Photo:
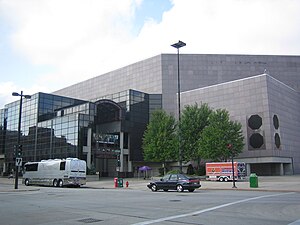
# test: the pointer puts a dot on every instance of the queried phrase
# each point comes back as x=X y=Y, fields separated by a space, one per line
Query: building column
x=4 y=167
x=281 y=169
x=248 y=169
x=129 y=163
x=122 y=151
x=35 y=141
x=51 y=141
x=88 y=149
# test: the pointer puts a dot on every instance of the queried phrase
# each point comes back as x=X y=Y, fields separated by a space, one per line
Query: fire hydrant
x=127 y=184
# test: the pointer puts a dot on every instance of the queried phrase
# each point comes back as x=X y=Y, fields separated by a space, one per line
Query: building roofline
x=239 y=80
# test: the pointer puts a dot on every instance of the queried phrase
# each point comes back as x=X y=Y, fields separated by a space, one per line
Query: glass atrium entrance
x=109 y=143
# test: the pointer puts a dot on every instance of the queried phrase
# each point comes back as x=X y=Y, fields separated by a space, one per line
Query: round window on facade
x=276 y=122
x=256 y=140
x=277 y=140
x=255 y=122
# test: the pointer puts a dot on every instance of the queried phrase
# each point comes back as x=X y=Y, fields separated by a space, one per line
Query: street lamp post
x=18 y=149
x=230 y=147
x=178 y=45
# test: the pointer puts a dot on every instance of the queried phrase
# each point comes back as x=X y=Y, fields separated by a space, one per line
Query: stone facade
x=275 y=105
x=223 y=81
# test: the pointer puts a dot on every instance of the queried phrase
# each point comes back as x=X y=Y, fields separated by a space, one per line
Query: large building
x=102 y=119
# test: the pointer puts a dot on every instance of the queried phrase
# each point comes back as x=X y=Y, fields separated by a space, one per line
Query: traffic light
x=19 y=153
x=15 y=152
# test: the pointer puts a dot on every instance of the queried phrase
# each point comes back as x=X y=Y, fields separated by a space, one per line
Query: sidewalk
x=265 y=183
x=8 y=185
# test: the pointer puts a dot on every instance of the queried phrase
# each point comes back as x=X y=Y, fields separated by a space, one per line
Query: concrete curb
x=270 y=184
x=18 y=190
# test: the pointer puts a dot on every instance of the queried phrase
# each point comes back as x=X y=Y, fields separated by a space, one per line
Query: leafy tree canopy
x=160 y=139
x=220 y=132
x=193 y=120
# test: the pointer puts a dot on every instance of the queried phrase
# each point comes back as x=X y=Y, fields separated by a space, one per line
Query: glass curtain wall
x=3 y=125
x=43 y=134
x=28 y=119
x=57 y=127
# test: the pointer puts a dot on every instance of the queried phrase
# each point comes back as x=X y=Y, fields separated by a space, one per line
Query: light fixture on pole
x=178 y=45
x=18 y=149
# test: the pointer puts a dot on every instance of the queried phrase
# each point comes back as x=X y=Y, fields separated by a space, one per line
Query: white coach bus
x=55 y=172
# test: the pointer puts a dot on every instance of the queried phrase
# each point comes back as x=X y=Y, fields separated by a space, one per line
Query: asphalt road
x=47 y=205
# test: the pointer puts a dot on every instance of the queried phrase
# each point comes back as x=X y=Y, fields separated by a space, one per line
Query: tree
x=220 y=132
x=160 y=139
x=193 y=120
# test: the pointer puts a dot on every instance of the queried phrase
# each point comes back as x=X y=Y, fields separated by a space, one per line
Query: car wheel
x=221 y=179
x=27 y=182
x=55 y=183
x=179 y=188
x=191 y=190
x=226 y=179
x=60 y=183
x=166 y=190
x=153 y=187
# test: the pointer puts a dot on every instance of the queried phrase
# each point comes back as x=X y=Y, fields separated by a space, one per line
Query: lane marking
x=209 y=209
x=295 y=223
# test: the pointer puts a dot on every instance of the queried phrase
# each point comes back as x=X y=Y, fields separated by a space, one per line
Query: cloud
x=7 y=88
x=78 y=38
x=230 y=26
x=49 y=31
x=81 y=39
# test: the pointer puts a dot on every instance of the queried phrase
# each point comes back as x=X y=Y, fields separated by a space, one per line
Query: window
x=181 y=177
x=62 y=166
x=173 y=177
x=31 y=167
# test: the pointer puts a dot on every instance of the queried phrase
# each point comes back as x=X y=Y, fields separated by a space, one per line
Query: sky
x=46 y=45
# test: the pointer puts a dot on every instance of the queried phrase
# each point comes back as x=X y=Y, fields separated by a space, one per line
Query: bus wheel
x=221 y=179
x=27 y=182
x=60 y=183
x=55 y=183
x=226 y=179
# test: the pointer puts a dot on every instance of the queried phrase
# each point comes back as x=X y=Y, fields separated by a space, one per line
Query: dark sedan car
x=179 y=182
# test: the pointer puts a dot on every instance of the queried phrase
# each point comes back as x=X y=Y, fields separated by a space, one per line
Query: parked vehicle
x=179 y=182
x=222 y=171
x=55 y=172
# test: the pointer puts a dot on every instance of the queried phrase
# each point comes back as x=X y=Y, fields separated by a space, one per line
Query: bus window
x=31 y=167
x=62 y=166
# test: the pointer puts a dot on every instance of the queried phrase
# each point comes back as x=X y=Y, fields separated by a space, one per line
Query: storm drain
x=175 y=200
x=89 y=220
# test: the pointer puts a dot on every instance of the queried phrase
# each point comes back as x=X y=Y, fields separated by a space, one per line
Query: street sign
x=18 y=161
